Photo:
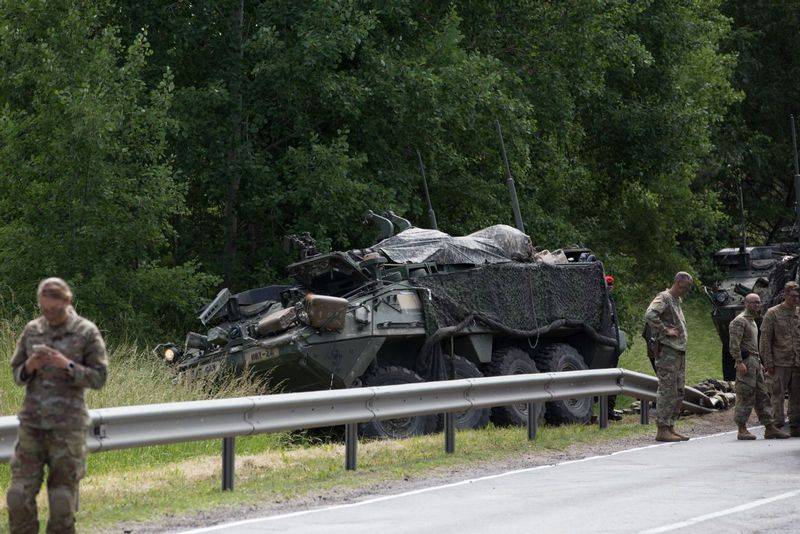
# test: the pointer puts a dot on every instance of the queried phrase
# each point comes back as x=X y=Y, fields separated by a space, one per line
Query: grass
x=147 y=483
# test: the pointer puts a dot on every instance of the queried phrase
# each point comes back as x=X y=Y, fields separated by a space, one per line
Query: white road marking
x=721 y=513
x=443 y=486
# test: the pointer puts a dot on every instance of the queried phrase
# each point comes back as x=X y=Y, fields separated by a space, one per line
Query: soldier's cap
x=54 y=288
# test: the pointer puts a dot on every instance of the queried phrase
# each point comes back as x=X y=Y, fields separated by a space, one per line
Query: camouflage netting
x=518 y=299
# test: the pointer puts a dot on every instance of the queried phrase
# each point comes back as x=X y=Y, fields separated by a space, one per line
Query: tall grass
x=135 y=376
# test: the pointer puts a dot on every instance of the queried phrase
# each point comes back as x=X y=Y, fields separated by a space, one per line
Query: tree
x=754 y=146
x=88 y=188
x=336 y=96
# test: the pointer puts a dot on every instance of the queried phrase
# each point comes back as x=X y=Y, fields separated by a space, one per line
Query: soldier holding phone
x=57 y=356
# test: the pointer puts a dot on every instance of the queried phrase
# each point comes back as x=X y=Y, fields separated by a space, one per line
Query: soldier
x=57 y=356
x=751 y=390
x=668 y=326
x=780 y=349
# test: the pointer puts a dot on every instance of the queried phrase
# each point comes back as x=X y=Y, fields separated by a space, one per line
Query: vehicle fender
x=363 y=361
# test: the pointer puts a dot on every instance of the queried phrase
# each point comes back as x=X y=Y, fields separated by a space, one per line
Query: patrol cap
x=54 y=288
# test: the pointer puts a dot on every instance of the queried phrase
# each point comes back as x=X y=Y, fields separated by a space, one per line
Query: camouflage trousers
x=786 y=379
x=64 y=453
x=671 y=371
x=752 y=392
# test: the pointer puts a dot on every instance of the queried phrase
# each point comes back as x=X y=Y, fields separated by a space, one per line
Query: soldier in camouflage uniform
x=780 y=350
x=668 y=326
x=751 y=390
x=57 y=356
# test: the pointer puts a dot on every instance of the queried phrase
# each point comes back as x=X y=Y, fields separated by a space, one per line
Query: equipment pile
x=716 y=395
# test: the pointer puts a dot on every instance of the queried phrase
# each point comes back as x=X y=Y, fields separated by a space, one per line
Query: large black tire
x=475 y=418
x=511 y=361
x=557 y=357
x=395 y=428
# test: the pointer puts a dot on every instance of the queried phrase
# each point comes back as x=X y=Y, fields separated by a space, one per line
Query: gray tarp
x=495 y=244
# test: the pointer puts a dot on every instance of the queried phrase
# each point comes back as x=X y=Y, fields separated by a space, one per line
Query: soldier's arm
x=765 y=344
x=21 y=376
x=653 y=315
x=736 y=330
x=92 y=374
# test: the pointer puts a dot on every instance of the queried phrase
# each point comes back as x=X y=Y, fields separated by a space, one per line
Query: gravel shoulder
x=693 y=426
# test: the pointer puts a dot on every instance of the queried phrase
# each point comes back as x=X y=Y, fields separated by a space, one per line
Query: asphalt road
x=708 y=484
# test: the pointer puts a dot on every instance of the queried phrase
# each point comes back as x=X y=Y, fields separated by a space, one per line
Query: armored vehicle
x=418 y=305
x=744 y=270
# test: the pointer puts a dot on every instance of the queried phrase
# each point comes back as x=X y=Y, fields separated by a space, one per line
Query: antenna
x=796 y=177
x=510 y=181
x=431 y=213
x=743 y=246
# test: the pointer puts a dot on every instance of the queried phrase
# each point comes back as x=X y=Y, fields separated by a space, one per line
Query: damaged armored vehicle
x=390 y=313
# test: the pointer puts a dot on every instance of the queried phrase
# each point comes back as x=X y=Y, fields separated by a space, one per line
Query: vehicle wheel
x=395 y=428
x=511 y=361
x=475 y=418
x=562 y=357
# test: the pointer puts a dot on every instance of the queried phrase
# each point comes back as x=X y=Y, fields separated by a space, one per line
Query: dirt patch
x=693 y=426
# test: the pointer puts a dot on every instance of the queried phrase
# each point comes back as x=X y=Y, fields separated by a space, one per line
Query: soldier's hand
x=35 y=362
x=741 y=368
x=769 y=370
x=56 y=359
x=672 y=332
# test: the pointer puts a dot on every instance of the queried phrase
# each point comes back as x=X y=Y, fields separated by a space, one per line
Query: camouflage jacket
x=665 y=312
x=53 y=396
x=780 y=337
x=743 y=336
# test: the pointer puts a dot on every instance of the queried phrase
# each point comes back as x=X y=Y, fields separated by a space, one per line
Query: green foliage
x=88 y=185
x=754 y=146
x=154 y=150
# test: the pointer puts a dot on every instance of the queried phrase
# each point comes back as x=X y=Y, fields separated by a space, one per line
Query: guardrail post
x=644 y=411
x=449 y=418
x=228 y=462
x=603 y=416
x=449 y=433
x=533 y=421
x=350 y=446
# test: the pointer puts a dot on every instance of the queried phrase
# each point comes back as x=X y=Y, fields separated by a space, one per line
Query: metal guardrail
x=157 y=424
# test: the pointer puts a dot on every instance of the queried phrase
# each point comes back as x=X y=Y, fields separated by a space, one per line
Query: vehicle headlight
x=168 y=352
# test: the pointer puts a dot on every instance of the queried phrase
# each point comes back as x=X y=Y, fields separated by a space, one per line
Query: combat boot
x=794 y=432
x=773 y=432
x=683 y=438
x=664 y=434
x=745 y=434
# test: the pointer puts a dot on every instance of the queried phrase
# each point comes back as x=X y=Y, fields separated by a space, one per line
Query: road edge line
x=721 y=513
